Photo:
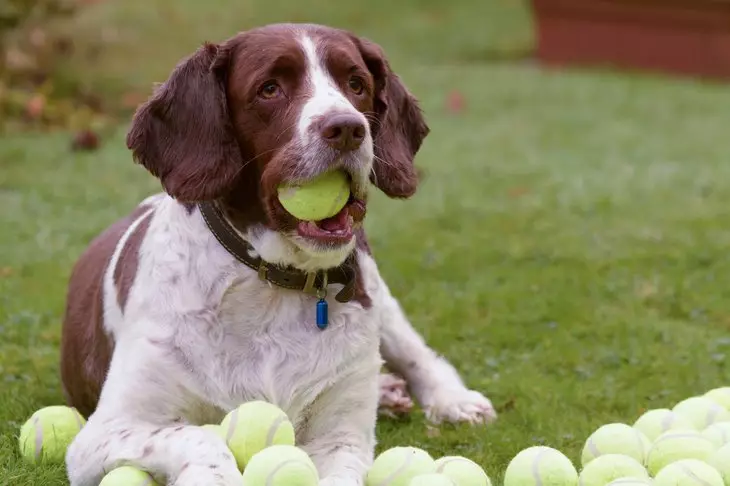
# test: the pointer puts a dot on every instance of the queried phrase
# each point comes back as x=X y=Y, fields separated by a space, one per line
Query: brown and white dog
x=168 y=326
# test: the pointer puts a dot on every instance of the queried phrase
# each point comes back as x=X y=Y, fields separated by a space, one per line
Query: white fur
x=201 y=333
x=188 y=352
x=327 y=99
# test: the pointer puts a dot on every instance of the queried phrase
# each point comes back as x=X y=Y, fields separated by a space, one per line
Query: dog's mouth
x=338 y=229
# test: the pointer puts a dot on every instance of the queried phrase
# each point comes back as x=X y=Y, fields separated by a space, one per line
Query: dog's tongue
x=338 y=222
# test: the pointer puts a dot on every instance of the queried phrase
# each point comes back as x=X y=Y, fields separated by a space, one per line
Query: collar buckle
x=310 y=284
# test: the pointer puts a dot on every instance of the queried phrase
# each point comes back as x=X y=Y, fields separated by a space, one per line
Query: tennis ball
x=254 y=426
x=540 y=466
x=317 y=199
x=127 y=476
x=719 y=433
x=720 y=460
x=398 y=466
x=721 y=396
x=462 y=471
x=628 y=481
x=675 y=445
x=604 y=469
x=45 y=437
x=702 y=411
x=688 y=472
x=281 y=465
x=616 y=438
x=431 y=480
x=655 y=422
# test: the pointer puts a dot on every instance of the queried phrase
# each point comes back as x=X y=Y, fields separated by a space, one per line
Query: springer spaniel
x=204 y=297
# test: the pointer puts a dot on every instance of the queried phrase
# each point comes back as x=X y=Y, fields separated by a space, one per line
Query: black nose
x=344 y=131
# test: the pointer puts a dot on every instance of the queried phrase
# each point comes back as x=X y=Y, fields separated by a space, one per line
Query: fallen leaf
x=85 y=140
x=455 y=102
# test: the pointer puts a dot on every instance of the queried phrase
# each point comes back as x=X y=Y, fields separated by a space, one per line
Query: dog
x=204 y=296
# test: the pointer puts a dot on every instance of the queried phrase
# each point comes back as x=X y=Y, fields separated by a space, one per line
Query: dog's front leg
x=137 y=423
x=431 y=378
x=340 y=432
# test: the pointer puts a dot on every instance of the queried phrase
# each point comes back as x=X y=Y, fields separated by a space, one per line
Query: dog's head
x=282 y=103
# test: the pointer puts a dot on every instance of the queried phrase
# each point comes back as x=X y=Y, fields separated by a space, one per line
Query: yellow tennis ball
x=675 y=445
x=608 y=467
x=721 y=396
x=628 y=481
x=720 y=460
x=718 y=433
x=654 y=423
x=281 y=465
x=254 y=426
x=688 y=472
x=45 y=437
x=702 y=411
x=432 y=479
x=462 y=471
x=127 y=476
x=398 y=466
x=616 y=438
x=540 y=466
x=317 y=199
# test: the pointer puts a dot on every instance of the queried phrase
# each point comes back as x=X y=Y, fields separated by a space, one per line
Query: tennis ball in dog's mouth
x=317 y=199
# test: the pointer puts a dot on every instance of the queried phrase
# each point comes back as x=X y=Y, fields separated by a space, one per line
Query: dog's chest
x=270 y=348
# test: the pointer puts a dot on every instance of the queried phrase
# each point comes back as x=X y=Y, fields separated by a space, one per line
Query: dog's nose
x=344 y=131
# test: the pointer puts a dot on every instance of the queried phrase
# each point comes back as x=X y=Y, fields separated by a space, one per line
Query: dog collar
x=314 y=283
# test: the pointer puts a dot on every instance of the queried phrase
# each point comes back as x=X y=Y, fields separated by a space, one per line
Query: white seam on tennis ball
x=593 y=448
x=692 y=475
x=232 y=425
x=641 y=444
x=38 y=436
x=711 y=414
x=270 y=478
x=536 y=467
x=442 y=466
x=667 y=421
x=340 y=194
x=395 y=473
x=274 y=427
x=676 y=436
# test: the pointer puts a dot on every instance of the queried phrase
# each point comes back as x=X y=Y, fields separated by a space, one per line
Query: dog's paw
x=394 y=398
x=448 y=405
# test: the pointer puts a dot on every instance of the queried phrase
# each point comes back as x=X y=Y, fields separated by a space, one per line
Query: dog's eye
x=270 y=90
x=356 y=85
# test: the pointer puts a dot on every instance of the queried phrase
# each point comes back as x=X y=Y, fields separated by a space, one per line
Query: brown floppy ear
x=183 y=133
x=399 y=128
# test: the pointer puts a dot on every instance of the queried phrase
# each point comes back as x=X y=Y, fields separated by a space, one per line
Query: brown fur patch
x=86 y=349
x=128 y=261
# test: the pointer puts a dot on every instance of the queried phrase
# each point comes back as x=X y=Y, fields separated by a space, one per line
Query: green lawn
x=568 y=250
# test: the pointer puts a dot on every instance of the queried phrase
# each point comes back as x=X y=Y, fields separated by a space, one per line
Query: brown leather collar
x=289 y=278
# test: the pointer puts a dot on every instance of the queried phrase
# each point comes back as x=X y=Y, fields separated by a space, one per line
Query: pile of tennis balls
x=260 y=437
x=688 y=445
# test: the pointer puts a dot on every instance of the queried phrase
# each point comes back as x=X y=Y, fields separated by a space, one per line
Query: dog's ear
x=399 y=127
x=183 y=133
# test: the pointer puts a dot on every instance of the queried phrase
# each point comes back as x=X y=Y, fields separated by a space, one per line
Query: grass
x=567 y=250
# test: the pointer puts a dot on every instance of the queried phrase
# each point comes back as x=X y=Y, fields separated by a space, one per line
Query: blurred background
x=567 y=250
